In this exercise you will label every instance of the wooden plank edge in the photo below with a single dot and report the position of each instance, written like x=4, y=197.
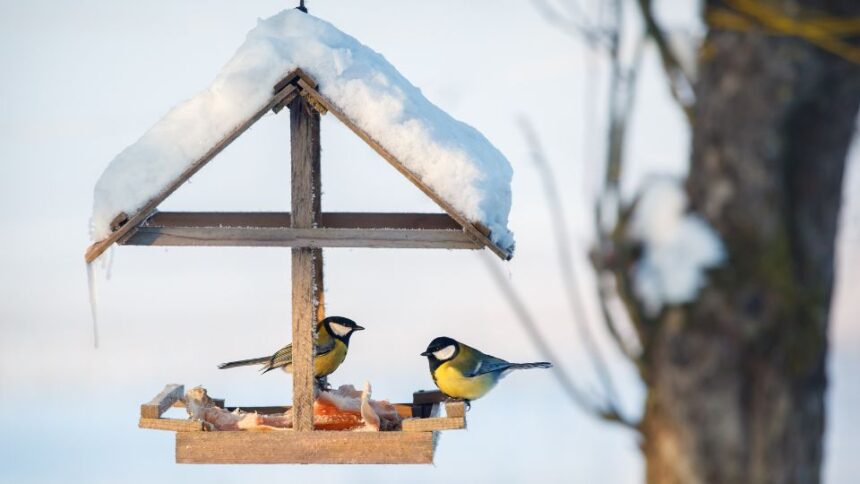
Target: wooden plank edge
x=433, y=424
x=320, y=447
x=455, y=409
x=315, y=238
x=330, y=220
x=172, y=424
x=161, y=402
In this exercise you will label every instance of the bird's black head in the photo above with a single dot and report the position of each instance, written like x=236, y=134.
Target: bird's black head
x=441, y=349
x=340, y=327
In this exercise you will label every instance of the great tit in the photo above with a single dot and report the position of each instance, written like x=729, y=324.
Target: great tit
x=332, y=343
x=462, y=372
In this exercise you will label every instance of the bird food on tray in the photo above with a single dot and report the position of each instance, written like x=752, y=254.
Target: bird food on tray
x=342, y=409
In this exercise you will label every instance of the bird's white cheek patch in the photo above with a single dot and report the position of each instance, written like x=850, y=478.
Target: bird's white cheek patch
x=445, y=353
x=339, y=329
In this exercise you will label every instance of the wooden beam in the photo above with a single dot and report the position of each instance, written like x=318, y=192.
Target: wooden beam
x=482, y=236
x=291, y=237
x=174, y=424
x=455, y=409
x=99, y=247
x=433, y=424
x=332, y=220
x=288, y=447
x=161, y=402
x=307, y=262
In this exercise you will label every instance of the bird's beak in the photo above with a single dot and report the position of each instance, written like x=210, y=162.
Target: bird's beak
x=426, y=353
x=358, y=328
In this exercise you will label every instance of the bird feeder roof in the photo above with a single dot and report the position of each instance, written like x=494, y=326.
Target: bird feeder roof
x=448, y=160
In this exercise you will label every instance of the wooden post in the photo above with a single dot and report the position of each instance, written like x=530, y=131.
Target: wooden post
x=307, y=263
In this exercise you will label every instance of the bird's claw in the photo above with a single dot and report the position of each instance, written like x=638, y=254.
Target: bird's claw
x=323, y=384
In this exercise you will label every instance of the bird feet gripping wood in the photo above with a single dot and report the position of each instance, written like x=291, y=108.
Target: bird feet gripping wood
x=322, y=384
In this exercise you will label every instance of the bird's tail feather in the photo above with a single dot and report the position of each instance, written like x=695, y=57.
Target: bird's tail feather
x=252, y=361
x=526, y=366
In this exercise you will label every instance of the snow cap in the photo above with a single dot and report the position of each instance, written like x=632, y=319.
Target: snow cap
x=451, y=157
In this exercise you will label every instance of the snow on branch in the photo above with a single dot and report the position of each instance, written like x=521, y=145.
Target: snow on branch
x=678, y=247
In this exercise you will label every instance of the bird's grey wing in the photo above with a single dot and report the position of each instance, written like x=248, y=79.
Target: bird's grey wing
x=489, y=364
x=321, y=349
x=284, y=356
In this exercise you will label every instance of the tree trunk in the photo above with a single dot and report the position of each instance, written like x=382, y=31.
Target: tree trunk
x=737, y=380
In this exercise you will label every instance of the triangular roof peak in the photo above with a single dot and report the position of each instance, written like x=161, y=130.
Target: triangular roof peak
x=451, y=162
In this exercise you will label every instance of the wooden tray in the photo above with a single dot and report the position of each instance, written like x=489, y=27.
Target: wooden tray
x=414, y=444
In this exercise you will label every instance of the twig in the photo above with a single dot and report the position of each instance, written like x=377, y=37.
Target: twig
x=567, y=266
x=607, y=292
x=571, y=25
x=680, y=85
x=578, y=397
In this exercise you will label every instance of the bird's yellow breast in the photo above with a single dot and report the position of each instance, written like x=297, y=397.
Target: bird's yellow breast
x=327, y=363
x=453, y=383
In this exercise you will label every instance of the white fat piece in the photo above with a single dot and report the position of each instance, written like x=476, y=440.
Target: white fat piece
x=339, y=329
x=445, y=353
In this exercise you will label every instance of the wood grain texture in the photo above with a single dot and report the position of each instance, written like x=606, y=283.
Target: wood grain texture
x=433, y=424
x=307, y=262
x=455, y=409
x=161, y=402
x=288, y=447
x=174, y=424
x=469, y=226
x=331, y=220
x=99, y=247
x=293, y=237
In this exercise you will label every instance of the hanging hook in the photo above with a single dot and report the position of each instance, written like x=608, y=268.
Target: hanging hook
x=302, y=6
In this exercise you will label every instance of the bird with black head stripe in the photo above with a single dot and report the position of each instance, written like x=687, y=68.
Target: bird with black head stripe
x=332, y=344
x=464, y=373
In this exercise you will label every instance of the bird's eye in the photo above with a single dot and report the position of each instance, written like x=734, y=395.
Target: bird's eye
x=445, y=353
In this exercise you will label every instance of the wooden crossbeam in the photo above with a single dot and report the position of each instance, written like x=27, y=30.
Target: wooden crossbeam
x=274, y=229
x=332, y=220
x=301, y=237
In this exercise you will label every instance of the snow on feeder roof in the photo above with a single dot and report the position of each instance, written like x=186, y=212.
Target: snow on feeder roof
x=447, y=159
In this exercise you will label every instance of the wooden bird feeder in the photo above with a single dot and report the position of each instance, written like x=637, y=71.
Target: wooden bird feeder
x=307, y=231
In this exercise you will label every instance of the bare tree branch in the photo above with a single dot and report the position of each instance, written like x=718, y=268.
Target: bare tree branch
x=567, y=266
x=574, y=23
x=680, y=85
x=607, y=411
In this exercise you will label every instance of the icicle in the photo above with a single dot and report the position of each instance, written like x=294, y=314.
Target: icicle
x=108, y=264
x=91, y=282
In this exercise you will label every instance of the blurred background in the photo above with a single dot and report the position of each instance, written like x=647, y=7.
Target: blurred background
x=83, y=80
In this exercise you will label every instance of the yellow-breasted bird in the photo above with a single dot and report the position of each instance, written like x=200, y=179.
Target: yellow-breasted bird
x=332, y=343
x=463, y=372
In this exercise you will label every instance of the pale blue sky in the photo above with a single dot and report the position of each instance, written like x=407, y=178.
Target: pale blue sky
x=83, y=80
